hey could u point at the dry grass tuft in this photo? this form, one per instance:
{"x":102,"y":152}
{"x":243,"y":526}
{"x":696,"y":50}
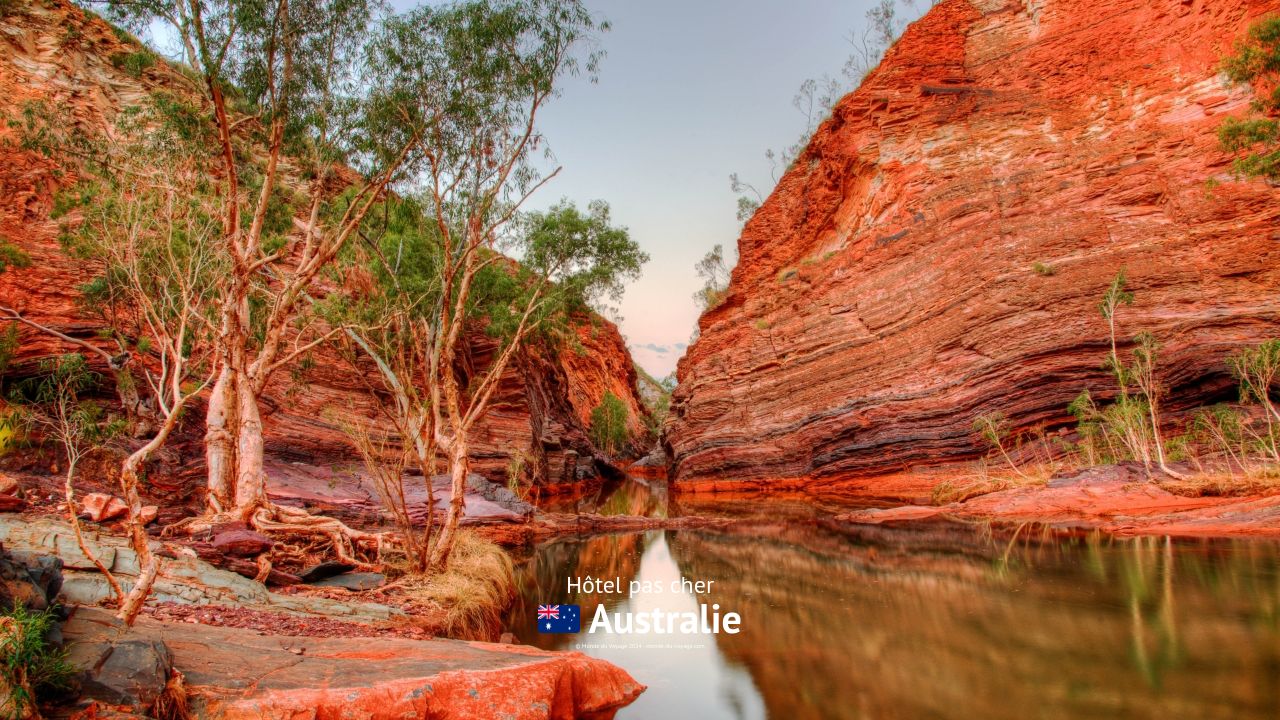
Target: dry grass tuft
{"x":1259,"y":480}
{"x":172,"y":703}
{"x":468,"y":600}
{"x":984,"y":482}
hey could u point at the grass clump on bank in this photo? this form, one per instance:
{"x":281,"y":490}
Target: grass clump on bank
{"x":468,"y":599}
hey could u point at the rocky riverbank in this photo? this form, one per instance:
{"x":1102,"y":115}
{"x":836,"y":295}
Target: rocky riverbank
{"x":242,"y":651}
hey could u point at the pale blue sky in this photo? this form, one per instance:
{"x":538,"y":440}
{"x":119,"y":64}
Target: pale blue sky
{"x":688,"y":93}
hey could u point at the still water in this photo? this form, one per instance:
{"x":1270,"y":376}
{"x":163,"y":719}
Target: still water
{"x":938,"y":621}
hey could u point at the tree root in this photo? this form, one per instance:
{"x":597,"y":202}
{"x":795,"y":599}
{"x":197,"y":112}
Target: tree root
{"x":275,"y":519}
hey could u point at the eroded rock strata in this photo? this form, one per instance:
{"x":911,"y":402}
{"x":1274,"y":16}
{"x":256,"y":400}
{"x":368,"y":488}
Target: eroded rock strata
{"x":939,"y":249}
{"x":53,"y":53}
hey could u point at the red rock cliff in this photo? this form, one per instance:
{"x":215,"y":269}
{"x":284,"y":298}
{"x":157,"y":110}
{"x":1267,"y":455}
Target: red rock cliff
{"x":52,"y":52}
{"x":886,"y":292}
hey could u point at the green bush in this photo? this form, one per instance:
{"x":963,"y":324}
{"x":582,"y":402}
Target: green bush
{"x":31,"y":668}
{"x":609,"y":424}
{"x":134,"y":63}
{"x":12,"y":256}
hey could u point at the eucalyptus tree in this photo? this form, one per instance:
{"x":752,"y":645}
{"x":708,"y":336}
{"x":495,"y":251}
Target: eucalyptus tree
{"x":144,"y":227}
{"x":152,"y":237}
{"x":477,"y":75}
{"x":442,"y":100}
{"x":568,"y":260}
{"x":282,"y":85}
{"x":55,"y":401}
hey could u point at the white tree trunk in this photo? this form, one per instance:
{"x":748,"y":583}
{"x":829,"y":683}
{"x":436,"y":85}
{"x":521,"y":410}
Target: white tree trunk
{"x":459,"y":468}
{"x":251,"y":479}
{"x":220,"y":442}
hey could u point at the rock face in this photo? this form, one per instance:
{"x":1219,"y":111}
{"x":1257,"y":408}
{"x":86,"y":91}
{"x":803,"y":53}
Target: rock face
{"x":939,"y":249}
{"x":52,"y":53}
{"x":183,"y":578}
{"x":234,"y":673}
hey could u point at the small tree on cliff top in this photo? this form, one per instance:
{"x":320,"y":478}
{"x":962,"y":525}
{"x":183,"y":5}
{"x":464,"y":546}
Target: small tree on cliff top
{"x":1255,"y":138}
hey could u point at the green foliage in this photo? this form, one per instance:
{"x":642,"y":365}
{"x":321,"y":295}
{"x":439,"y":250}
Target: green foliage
{"x":714,"y":272}
{"x":1255,"y":138}
{"x":1257,"y":370}
{"x":583,"y":254}
{"x":8,"y":346}
{"x":12,"y":256}
{"x":609,"y":424}
{"x":56,"y":398}
{"x":1221,"y":428}
{"x":184,"y":122}
{"x":1043,"y":269}
{"x":68,"y":374}
{"x":32,"y":668}
{"x":1115,"y":296}
{"x":656,"y":395}
{"x":134,"y":63}
{"x":993,"y":427}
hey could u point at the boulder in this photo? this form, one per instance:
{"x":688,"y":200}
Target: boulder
{"x":8,"y":485}
{"x":498,"y":495}
{"x":316,"y":573}
{"x":148,"y":514}
{"x":44,"y":570}
{"x":101,"y":507}
{"x":240,"y":674}
{"x":130,"y":672}
{"x":353,"y":581}
{"x":30,"y":580}
{"x":241,"y":543}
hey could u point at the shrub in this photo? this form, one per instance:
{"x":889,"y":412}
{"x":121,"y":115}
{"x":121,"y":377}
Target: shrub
{"x":1258,"y":369}
{"x":30,"y":667}
{"x":995,"y":428}
{"x":133,"y":64}
{"x":609,"y":424}
{"x":1043,"y":269}
{"x":12,"y":255}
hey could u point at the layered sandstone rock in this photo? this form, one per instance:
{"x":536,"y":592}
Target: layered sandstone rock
{"x":939,"y":249}
{"x":245,"y":675}
{"x":54,"y":54}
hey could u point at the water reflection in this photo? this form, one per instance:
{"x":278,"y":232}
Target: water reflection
{"x":625,"y":496}
{"x":950,"y":623}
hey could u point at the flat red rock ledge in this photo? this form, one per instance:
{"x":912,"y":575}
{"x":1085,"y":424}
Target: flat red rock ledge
{"x":1115,"y":506}
{"x":237,"y":675}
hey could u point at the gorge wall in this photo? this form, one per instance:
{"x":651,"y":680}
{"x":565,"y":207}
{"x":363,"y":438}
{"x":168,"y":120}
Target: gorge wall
{"x":55,"y":53}
{"x":939,"y":249}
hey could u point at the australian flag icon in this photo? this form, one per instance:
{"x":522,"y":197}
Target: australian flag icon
{"x":559,"y":619}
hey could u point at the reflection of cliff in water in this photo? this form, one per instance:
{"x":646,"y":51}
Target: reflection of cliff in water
{"x":621,"y":496}
{"x":541,"y":578}
{"x":1078,"y":628}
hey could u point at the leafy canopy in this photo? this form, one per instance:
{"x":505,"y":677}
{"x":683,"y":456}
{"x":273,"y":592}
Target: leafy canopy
{"x":1255,"y":137}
